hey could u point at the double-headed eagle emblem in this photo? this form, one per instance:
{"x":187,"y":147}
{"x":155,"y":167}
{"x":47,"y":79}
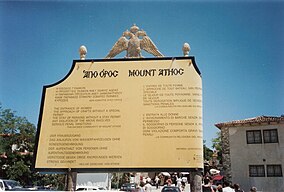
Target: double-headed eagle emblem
{"x":133,"y":42}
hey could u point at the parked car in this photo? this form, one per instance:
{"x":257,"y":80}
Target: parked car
{"x":128,"y":187}
{"x":89,"y":188}
{"x":170,"y":189}
{"x":6,"y":184}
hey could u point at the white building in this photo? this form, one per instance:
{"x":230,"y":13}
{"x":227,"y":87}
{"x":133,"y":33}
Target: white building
{"x":253,"y":152}
{"x":98,"y":180}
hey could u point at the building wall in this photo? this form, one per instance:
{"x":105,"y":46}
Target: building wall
{"x":226,"y":156}
{"x":93,"y":179}
{"x":242,"y":155}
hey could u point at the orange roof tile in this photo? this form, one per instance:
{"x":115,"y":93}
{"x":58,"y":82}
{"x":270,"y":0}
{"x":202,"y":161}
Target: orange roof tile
{"x":259,"y":120}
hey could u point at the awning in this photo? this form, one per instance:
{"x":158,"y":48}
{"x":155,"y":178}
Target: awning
{"x":217,"y":177}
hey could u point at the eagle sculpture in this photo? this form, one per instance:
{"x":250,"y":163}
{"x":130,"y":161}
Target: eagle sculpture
{"x":133,"y":42}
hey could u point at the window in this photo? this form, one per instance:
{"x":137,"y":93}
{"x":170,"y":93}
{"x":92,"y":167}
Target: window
{"x":256,"y":171}
{"x":270,"y":136}
{"x":274,"y":171}
{"x":254,"y":137}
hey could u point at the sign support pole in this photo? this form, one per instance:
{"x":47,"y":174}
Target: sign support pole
{"x":71,"y":180}
{"x":196,"y":181}
{"x":71,"y":175}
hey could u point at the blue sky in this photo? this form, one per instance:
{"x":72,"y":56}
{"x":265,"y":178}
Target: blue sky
{"x":238,"y":47}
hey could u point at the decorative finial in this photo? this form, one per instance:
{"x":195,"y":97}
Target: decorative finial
{"x":83,"y":52}
{"x":133,"y":42}
{"x":186,"y":49}
{"x":134,"y":29}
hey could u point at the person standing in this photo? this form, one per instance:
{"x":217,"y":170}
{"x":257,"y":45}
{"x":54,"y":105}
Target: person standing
{"x":253,"y":189}
{"x":237,"y":188}
{"x":219,"y":188}
{"x":157,"y":180}
{"x":139,"y":188}
{"x":148,"y":187}
{"x":206,"y":187}
{"x":227,"y":187}
{"x":169,"y":181}
{"x":179,"y":180}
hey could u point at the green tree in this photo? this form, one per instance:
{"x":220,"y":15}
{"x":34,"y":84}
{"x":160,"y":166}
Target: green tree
{"x":17,"y":142}
{"x":207,"y":152}
{"x":17,"y":138}
{"x":207,"y":156}
{"x":217,"y":144}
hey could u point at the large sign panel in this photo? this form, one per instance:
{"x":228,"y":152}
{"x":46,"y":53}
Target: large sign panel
{"x":120,"y":114}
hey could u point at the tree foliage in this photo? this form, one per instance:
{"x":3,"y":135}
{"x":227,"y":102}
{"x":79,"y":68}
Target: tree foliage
{"x":207,"y":152}
{"x":16,"y":150}
{"x":217,"y":144}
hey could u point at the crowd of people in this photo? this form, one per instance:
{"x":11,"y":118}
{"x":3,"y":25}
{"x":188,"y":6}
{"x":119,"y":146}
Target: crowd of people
{"x":173,"y":180}
{"x":208,"y":186}
{"x":162,"y":180}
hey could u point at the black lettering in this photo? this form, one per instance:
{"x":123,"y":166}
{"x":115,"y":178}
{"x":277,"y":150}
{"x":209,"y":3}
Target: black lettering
{"x":171,"y":72}
{"x":141,"y":73}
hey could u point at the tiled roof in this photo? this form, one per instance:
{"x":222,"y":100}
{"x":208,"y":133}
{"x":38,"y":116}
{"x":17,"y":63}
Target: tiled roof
{"x":258,"y":120}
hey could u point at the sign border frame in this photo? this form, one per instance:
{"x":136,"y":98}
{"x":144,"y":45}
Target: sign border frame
{"x":103,"y":170}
